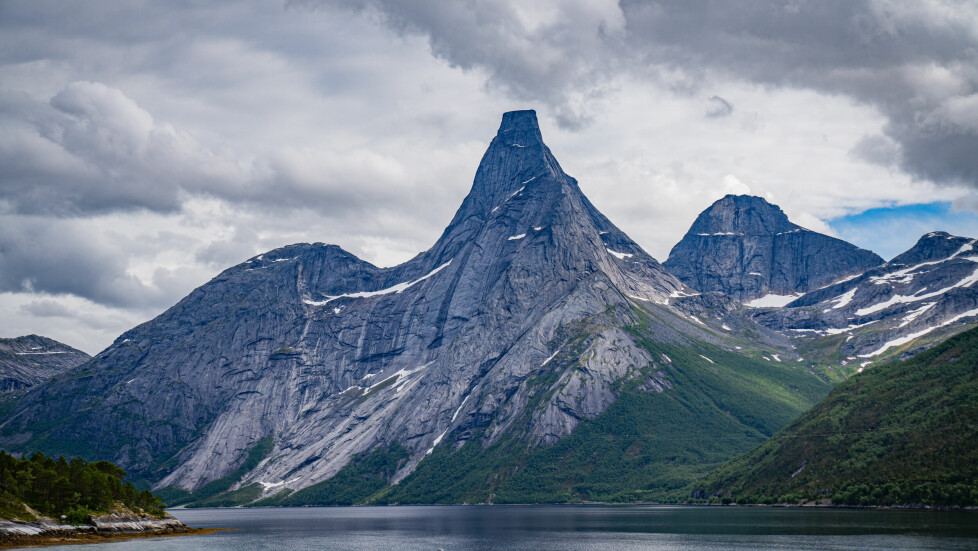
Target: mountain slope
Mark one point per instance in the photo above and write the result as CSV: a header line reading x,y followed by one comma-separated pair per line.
x,y
919,298
747,248
26,361
899,433
515,328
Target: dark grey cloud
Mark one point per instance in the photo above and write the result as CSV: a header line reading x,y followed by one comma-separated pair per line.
x,y
913,61
532,52
878,150
719,108
90,149
47,308
916,62
59,257
219,89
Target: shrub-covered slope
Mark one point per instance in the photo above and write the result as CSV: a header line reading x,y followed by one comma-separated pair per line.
x,y
899,433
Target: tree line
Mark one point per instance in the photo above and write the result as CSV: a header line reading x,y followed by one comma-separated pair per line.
x,y
75,489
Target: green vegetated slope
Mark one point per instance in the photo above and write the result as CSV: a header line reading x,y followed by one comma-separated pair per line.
x,y
899,433
75,489
647,446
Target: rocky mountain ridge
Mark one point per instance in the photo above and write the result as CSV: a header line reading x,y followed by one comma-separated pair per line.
x,y
531,330
746,248
28,360
921,296
521,322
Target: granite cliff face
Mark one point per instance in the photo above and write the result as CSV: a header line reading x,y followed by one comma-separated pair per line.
x,y
747,248
27,361
920,297
522,321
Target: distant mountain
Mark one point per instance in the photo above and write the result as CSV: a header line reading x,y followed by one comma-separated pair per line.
x,y
899,433
26,361
534,353
915,300
747,248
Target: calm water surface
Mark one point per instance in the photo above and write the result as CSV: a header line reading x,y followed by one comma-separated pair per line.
x,y
565,528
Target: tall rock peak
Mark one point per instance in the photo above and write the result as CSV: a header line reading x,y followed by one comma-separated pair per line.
x,y
520,121
516,160
745,247
330,356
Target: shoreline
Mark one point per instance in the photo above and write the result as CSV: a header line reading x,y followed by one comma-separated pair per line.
x,y
905,507
109,526
93,536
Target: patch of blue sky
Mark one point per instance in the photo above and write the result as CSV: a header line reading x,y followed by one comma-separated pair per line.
x,y
889,231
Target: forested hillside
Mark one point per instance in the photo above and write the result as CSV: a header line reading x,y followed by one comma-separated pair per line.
x,y
900,433
76,489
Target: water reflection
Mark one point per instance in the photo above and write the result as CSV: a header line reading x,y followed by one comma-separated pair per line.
x,y
478,528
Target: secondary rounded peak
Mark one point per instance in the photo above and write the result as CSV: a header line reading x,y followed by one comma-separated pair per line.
x,y
745,247
742,214
731,201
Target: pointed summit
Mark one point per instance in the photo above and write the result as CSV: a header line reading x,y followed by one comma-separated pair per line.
x,y
516,157
323,356
520,124
747,248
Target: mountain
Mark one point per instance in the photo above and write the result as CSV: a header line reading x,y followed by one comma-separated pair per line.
x,y
899,433
26,361
913,301
747,248
533,333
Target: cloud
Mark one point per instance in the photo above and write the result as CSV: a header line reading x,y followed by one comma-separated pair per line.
x,y
46,308
72,320
719,108
550,52
914,62
90,149
877,149
64,257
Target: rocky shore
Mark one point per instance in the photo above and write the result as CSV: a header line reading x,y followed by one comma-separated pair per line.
x,y
45,530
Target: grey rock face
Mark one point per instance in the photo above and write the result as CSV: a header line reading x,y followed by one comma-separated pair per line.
x,y
333,356
928,291
27,361
746,248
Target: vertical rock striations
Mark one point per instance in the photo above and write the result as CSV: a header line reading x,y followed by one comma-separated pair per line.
x,y
521,321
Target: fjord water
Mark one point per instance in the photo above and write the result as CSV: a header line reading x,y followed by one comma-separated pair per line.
x,y
591,527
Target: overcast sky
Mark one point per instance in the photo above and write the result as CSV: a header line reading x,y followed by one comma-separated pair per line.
x,y
146,146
